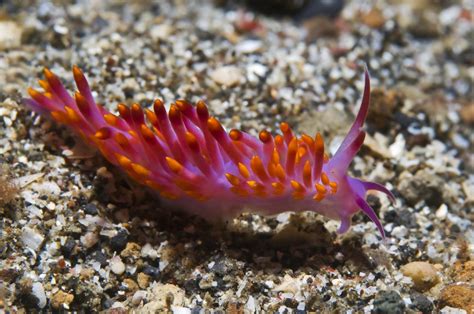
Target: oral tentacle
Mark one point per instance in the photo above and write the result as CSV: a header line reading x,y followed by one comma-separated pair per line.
x,y
378,187
370,213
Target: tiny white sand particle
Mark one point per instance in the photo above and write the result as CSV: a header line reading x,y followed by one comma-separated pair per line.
x,y
442,212
32,238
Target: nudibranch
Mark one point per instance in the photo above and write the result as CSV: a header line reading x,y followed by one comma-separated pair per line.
x,y
188,157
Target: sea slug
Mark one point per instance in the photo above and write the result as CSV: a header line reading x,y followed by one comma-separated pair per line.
x,y
187,156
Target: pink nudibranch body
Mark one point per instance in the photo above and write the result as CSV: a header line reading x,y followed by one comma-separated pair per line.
x,y
188,157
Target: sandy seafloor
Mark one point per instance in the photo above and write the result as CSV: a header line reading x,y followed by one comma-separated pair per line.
x,y
76,234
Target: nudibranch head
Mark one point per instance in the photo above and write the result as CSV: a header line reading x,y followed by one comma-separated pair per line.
x,y
186,155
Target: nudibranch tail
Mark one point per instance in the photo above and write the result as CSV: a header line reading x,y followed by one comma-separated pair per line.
x,y
188,156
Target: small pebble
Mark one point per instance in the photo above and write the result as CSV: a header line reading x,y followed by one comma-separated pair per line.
x,y
423,274
248,46
458,296
100,257
117,266
161,31
388,302
421,303
442,212
151,271
32,238
143,280
227,75
68,247
89,239
61,300
90,209
131,249
119,241
400,232
138,297
149,251
10,34
374,18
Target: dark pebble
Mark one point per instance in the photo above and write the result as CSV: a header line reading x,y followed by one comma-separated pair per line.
x,y
388,302
403,120
417,140
421,303
191,286
454,229
32,36
401,218
100,257
108,303
220,268
151,271
424,185
91,209
429,226
291,303
119,241
68,248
